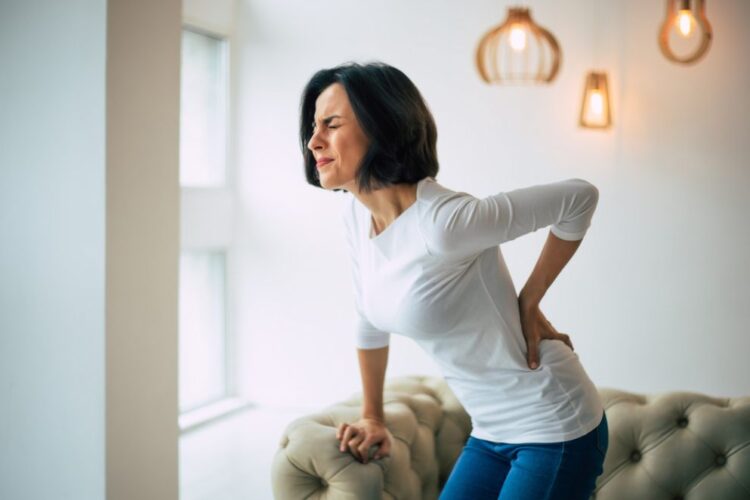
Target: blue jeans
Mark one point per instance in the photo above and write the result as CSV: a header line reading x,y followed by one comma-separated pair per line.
x,y
533,471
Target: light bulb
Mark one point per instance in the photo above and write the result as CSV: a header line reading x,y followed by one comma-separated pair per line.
x,y
685,34
595,109
517,37
685,22
596,102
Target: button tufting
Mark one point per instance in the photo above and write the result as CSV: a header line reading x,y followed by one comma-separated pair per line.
x,y
721,460
682,422
635,456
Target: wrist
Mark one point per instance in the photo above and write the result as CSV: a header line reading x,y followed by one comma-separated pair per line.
x,y
380,420
373,415
530,296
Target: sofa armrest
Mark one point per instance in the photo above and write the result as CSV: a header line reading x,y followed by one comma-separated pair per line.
x,y
428,429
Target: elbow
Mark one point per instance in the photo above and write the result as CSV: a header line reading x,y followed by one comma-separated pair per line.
x,y
590,191
593,193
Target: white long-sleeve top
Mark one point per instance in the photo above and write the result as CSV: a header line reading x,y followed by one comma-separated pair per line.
x,y
436,274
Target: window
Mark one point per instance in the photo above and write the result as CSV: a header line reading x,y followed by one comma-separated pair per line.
x,y
206,378
202,327
203,110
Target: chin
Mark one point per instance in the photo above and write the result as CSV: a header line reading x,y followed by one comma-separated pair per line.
x,y
326,184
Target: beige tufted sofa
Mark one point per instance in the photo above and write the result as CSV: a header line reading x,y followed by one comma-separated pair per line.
x,y
671,446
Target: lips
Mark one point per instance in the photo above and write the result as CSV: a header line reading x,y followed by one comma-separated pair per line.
x,y
323,161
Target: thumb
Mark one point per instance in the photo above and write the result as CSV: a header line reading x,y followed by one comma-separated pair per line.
x,y
533,353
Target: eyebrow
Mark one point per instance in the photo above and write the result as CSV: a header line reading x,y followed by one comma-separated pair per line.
x,y
328,119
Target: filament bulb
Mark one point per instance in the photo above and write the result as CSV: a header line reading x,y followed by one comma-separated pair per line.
x,y
595,107
596,102
685,22
517,37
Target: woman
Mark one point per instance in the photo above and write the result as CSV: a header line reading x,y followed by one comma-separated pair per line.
x,y
426,264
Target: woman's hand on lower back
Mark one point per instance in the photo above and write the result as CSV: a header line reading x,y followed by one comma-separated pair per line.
x,y
536,328
359,436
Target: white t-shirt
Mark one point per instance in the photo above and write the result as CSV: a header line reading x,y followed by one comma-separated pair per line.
x,y
436,275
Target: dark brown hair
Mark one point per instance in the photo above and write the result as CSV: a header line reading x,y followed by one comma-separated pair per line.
x,y
393,115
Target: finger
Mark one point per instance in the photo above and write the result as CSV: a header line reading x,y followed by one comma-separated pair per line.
x,y
348,434
566,338
545,320
364,448
533,353
353,444
563,337
548,331
340,430
546,325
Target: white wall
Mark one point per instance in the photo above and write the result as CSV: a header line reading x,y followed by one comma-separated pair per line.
x,y
52,256
676,260
89,206
653,299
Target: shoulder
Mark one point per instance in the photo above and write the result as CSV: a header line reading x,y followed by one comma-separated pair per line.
x,y
438,202
432,191
441,212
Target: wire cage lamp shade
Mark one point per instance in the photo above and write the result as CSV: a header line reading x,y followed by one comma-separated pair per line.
x,y
518,51
686,34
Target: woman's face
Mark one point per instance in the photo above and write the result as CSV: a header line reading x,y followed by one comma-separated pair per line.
x,y
337,137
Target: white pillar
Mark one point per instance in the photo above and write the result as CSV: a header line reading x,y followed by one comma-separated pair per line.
x,y
143,82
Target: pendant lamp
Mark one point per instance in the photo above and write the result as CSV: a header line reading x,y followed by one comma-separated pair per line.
x,y
595,108
686,33
518,51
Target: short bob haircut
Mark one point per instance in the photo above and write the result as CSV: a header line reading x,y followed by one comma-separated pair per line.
x,y
392,114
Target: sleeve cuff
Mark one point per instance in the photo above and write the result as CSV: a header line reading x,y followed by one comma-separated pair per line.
x,y
564,235
373,341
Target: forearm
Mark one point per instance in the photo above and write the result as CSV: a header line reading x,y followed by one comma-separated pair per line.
x,y
555,254
372,365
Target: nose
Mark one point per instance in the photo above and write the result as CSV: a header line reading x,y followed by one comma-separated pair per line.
x,y
314,142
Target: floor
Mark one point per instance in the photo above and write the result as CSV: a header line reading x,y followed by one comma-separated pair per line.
x,y
230,459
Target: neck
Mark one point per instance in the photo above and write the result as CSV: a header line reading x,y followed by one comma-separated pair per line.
x,y
386,204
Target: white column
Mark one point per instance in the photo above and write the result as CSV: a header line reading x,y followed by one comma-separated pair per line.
x,y
143,72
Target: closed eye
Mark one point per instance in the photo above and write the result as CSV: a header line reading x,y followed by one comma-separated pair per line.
x,y
314,126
